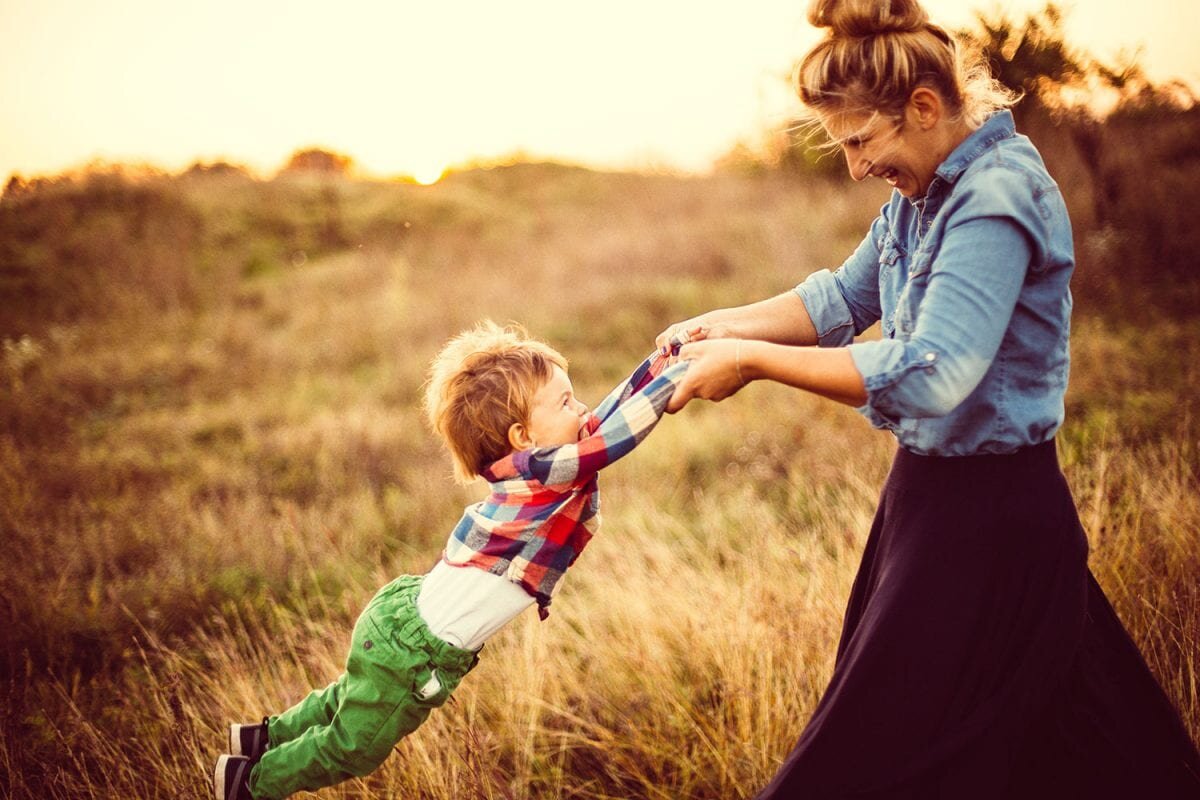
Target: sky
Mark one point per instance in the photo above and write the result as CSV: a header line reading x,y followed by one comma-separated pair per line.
x,y
410,88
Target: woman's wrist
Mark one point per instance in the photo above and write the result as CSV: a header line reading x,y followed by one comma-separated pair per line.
x,y
748,359
737,360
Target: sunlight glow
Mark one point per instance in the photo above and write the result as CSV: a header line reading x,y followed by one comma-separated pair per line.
x,y
620,89
429,175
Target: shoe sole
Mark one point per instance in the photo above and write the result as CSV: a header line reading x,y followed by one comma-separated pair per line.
x,y
219,778
235,767
236,744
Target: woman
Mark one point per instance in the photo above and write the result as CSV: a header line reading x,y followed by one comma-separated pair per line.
x,y
978,657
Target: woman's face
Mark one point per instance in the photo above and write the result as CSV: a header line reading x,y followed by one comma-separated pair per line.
x,y
900,150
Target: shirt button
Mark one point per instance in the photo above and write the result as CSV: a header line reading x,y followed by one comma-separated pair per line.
x,y
931,357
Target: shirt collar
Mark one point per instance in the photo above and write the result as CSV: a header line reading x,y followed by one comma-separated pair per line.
x,y
998,126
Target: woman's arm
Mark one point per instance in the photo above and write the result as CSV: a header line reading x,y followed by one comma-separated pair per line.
x,y
721,367
782,319
774,338
834,307
972,290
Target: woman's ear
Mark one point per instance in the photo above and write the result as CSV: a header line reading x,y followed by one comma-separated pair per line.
x,y
518,437
925,107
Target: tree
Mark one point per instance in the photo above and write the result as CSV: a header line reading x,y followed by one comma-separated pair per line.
x,y
318,160
1032,58
1075,90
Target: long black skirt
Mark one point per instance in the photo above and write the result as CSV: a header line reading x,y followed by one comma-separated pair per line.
x,y
980,659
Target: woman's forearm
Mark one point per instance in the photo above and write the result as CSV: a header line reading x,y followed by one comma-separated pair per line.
x,y
721,367
829,372
782,319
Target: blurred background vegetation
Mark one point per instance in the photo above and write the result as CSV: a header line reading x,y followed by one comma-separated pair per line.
x,y
211,452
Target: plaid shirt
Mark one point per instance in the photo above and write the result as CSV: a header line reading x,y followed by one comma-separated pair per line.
x,y
544,503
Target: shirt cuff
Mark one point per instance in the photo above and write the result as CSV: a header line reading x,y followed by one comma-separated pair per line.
x,y
883,364
827,308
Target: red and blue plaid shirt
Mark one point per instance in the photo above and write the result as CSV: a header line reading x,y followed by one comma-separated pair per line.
x,y
544,504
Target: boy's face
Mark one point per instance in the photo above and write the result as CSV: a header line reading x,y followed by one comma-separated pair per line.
x,y
555,417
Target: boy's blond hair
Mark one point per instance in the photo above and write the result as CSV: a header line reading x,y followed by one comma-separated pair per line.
x,y
480,384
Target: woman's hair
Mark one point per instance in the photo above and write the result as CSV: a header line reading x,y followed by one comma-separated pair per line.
x,y
877,52
480,383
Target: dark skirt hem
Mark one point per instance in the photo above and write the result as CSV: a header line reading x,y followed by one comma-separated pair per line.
x,y
980,659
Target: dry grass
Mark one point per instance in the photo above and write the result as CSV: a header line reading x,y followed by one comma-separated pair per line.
x,y
210,457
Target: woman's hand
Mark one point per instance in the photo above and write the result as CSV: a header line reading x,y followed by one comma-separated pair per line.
x,y
714,372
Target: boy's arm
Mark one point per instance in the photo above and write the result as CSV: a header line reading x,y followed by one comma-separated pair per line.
x,y
647,371
625,417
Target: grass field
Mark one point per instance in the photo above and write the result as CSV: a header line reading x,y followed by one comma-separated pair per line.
x,y
211,456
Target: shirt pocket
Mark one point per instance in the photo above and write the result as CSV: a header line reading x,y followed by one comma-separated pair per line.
x,y
891,254
911,294
908,304
892,271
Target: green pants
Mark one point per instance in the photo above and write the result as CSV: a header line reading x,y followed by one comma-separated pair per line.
x,y
348,728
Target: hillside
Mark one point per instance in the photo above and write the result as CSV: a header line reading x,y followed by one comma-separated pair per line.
x,y
211,454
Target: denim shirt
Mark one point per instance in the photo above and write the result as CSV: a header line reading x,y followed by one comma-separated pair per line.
x,y
970,284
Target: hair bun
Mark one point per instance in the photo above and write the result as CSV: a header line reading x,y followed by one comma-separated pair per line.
x,y
861,18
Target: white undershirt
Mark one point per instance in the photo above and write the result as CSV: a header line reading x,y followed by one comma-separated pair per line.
x,y
466,605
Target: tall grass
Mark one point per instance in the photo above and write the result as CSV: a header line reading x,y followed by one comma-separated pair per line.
x,y
211,456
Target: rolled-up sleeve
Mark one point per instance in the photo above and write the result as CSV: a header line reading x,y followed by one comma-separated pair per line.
x,y
973,288
844,303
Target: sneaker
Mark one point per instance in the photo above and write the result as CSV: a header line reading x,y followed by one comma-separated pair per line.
x,y
231,778
248,740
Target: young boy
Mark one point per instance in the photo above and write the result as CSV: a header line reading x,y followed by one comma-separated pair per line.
x,y
505,407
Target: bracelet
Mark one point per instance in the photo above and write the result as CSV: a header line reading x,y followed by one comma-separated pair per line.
x,y
737,357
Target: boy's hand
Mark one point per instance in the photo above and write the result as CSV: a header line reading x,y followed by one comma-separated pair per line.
x,y
675,336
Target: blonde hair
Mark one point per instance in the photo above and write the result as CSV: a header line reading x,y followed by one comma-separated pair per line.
x,y
480,384
877,52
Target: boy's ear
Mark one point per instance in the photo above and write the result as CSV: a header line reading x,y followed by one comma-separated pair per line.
x,y
518,437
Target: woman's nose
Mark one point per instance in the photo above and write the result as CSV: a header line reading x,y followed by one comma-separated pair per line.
x,y
859,166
